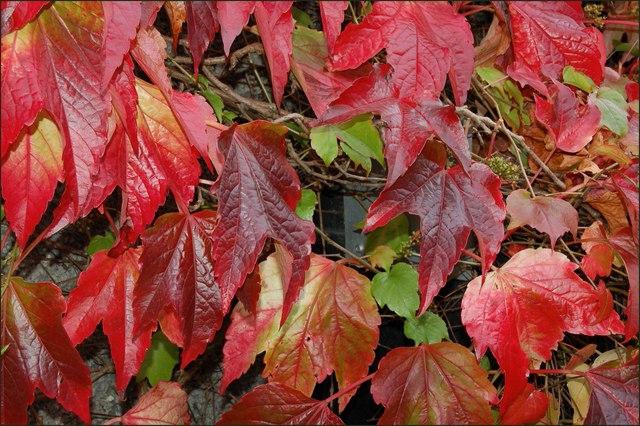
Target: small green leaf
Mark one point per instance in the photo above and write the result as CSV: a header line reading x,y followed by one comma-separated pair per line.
x,y
359,139
397,289
577,79
427,328
301,17
613,109
1,211
4,349
100,242
491,76
484,363
307,204
394,234
212,97
160,360
382,257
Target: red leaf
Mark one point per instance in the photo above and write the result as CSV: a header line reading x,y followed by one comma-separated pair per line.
x,y
121,22
424,41
105,293
39,353
257,197
275,25
191,111
614,394
528,407
176,284
29,175
275,403
599,245
626,183
164,404
408,122
550,215
202,23
503,313
332,16
570,125
57,63
450,205
547,36
433,384
320,85
16,14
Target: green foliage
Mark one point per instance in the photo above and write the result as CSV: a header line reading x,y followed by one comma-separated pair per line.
x,y
507,95
382,257
427,328
100,242
397,289
358,137
160,360
503,168
577,79
307,204
394,234
613,107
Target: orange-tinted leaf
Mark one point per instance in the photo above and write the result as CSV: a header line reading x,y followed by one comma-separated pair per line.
x,y
433,384
332,328
450,205
278,404
609,204
177,14
550,215
105,293
164,404
39,353
503,313
29,174
626,183
614,393
257,198
424,42
176,284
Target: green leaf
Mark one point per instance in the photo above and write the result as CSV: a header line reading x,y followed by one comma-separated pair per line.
x,y
397,289
100,242
1,211
212,97
577,79
613,109
359,139
394,234
427,328
382,257
159,361
491,76
307,204
485,364
3,349
301,17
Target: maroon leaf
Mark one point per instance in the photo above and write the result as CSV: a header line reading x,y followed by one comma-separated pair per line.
x,y
424,41
547,36
408,122
38,353
202,23
614,393
433,384
278,404
176,284
257,197
105,293
572,126
450,205
164,404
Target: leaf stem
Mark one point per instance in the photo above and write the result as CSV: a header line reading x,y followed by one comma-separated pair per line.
x,y
557,371
348,389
